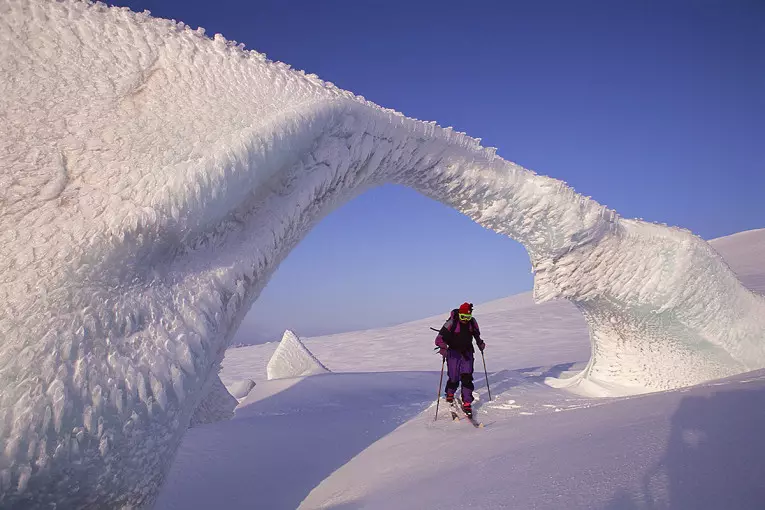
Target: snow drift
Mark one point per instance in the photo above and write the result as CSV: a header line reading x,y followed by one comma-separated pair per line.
x,y
241,389
152,181
293,359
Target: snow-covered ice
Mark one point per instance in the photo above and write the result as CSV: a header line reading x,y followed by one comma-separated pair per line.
x,y
217,405
241,389
292,359
154,178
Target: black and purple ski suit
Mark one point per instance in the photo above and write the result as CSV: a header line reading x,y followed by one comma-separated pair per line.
x,y
456,338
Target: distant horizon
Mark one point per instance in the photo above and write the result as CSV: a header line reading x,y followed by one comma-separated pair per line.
x,y
276,336
654,110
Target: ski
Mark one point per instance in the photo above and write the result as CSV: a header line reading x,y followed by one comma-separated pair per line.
x,y
453,410
477,424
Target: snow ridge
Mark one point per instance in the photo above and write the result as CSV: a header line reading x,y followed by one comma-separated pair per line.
x,y
152,181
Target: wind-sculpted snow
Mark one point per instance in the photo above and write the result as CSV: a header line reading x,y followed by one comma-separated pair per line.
x,y
293,359
153,179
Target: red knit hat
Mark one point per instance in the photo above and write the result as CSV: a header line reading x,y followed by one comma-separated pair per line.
x,y
466,308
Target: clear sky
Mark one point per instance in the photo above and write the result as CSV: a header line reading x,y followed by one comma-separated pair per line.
x,y
654,108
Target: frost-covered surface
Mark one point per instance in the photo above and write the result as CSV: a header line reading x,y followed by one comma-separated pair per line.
x,y
153,179
292,359
217,405
698,448
664,311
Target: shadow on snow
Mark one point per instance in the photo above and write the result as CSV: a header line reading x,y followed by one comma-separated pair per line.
x,y
714,459
276,450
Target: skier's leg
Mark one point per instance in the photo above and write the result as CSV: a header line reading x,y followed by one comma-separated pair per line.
x,y
453,373
467,387
466,377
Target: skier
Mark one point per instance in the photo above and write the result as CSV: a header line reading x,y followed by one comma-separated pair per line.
x,y
455,340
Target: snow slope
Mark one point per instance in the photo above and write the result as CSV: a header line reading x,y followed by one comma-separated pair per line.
x,y
743,252
365,438
693,450
153,179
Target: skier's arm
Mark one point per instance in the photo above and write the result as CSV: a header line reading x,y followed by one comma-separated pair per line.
x,y
444,333
477,335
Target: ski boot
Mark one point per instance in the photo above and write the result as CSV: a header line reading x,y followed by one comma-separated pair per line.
x,y
468,409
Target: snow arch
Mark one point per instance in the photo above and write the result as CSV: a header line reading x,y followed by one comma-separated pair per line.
x,y
153,179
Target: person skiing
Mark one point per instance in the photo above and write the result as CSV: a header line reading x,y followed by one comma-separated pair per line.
x,y
455,342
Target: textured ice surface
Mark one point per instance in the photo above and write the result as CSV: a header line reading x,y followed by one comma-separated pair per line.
x,y
293,359
218,404
152,181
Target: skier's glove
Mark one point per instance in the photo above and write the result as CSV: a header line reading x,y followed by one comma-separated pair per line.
x,y
481,345
441,351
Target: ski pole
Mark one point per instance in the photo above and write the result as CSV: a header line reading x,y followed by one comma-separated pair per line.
x,y
441,380
486,374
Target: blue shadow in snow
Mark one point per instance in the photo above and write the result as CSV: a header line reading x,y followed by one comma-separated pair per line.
x,y
276,450
715,457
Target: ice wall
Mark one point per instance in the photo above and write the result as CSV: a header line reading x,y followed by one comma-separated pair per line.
x,y
151,181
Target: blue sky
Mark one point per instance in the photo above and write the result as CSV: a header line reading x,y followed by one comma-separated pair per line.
x,y
654,108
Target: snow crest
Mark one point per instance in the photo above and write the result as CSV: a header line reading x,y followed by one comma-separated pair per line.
x,y
293,359
152,181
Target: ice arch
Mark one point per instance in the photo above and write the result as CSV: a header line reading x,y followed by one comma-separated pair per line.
x,y
152,179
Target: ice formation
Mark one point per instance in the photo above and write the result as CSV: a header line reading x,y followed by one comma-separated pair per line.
x,y
217,405
292,359
241,389
153,179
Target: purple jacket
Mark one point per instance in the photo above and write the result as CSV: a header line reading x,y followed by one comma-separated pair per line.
x,y
453,334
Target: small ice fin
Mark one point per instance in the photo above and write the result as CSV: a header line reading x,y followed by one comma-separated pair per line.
x,y
292,359
240,389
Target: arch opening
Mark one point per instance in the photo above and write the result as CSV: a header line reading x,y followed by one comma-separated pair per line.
x,y
388,257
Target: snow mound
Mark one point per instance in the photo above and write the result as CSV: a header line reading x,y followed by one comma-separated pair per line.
x,y
241,389
293,359
152,181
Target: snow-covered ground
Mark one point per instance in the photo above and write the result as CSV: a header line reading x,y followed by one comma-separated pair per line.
x,y
364,435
